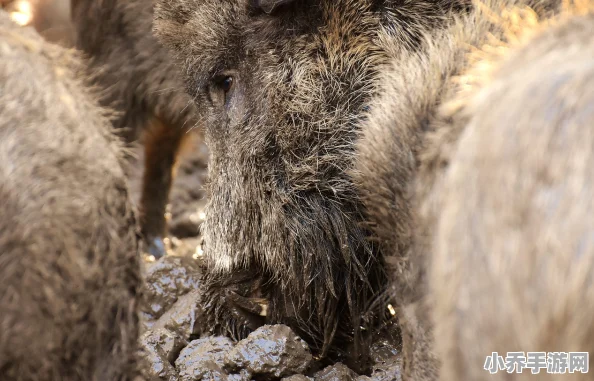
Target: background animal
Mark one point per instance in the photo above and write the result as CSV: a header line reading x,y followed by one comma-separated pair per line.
x,y
482,172
69,271
513,235
139,80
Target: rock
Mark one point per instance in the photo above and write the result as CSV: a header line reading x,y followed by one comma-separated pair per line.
x,y
243,375
158,349
297,377
336,372
392,372
183,317
203,359
270,352
167,280
154,368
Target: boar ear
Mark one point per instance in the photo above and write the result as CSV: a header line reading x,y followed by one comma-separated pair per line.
x,y
269,6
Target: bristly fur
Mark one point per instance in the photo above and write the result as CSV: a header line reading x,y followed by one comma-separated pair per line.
x,y
139,79
417,127
283,207
69,273
513,234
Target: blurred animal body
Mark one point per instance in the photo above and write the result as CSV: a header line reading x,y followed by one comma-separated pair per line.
x,y
69,271
489,152
513,238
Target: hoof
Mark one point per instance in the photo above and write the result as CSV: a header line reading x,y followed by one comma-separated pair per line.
x,y
156,248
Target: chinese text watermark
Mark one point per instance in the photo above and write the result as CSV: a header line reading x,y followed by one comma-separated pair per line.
x,y
535,362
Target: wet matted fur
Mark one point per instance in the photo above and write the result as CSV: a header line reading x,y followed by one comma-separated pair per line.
x,y
284,224
69,272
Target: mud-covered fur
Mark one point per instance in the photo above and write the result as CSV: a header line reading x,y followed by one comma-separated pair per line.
x,y
404,153
68,237
138,79
283,209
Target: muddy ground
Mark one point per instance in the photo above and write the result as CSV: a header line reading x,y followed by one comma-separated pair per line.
x,y
173,346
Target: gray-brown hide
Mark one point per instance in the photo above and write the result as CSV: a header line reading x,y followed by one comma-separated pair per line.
x,y
68,237
283,96
503,234
140,81
514,236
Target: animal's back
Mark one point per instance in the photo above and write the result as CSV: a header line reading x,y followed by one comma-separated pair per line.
x,y
138,74
513,243
407,145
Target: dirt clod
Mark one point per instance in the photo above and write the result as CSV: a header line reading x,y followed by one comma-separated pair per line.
x,y
271,351
297,377
203,359
159,348
243,375
167,280
336,372
393,372
183,317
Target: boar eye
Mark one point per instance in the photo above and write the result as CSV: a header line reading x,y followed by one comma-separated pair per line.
x,y
221,89
226,84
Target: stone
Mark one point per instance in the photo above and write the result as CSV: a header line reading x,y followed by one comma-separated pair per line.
x,y
271,351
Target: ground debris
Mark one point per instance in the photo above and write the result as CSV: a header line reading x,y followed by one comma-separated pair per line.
x,y
271,351
203,359
336,372
166,280
158,350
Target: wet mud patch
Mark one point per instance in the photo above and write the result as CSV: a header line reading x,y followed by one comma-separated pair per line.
x,y
173,346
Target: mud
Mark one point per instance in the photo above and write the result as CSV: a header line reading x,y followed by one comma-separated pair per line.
x,y
183,318
297,377
270,352
159,348
203,359
174,351
336,372
166,281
